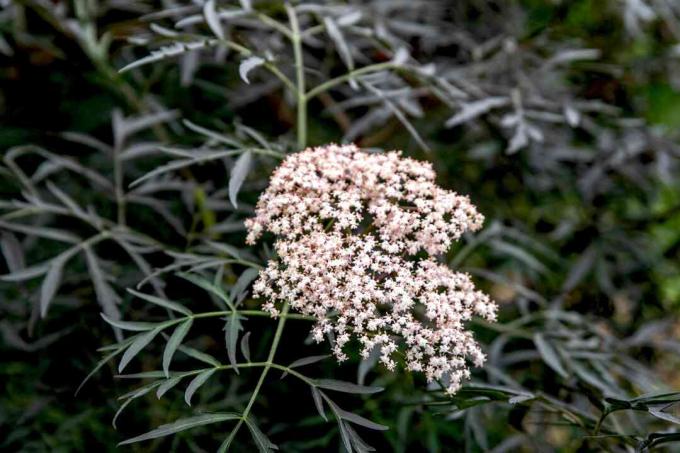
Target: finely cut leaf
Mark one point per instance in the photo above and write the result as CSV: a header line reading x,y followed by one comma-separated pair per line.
x,y
248,65
264,445
129,325
200,356
359,420
208,286
318,402
26,274
173,343
232,327
339,40
100,364
243,281
162,302
51,284
136,346
238,175
12,251
549,355
347,387
195,383
245,346
472,110
106,297
183,424
213,19
308,360
167,385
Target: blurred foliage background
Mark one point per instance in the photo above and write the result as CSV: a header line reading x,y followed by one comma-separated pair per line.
x,y
558,118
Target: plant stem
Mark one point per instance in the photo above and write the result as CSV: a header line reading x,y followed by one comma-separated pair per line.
x,y
296,39
327,85
265,371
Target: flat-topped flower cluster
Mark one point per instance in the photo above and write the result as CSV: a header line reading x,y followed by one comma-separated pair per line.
x,y
356,235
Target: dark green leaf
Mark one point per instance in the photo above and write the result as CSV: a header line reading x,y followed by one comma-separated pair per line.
x,y
50,284
549,355
167,385
318,402
162,302
264,445
245,346
183,424
195,383
141,341
231,330
130,325
174,342
347,387
200,356
240,170
208,286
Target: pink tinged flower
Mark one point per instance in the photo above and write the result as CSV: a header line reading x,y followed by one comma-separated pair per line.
x,y
349,225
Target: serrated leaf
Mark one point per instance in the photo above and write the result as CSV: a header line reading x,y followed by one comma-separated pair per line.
x,y
346,387
238,175
248,65
549,355
213,19
195,383
162,302
183,424
136,346
174,342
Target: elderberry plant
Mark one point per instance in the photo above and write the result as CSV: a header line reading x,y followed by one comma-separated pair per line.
x,y
148,217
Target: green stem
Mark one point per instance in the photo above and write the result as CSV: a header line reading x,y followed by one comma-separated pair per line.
x,y
296,39
268,365
346,77
600,420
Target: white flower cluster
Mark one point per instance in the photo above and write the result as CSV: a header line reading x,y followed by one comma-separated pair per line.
x,y
352,228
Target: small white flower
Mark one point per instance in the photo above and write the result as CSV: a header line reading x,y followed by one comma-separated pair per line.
x,y
349,224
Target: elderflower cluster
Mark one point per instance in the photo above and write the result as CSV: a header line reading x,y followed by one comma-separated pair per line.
x,y
351,230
